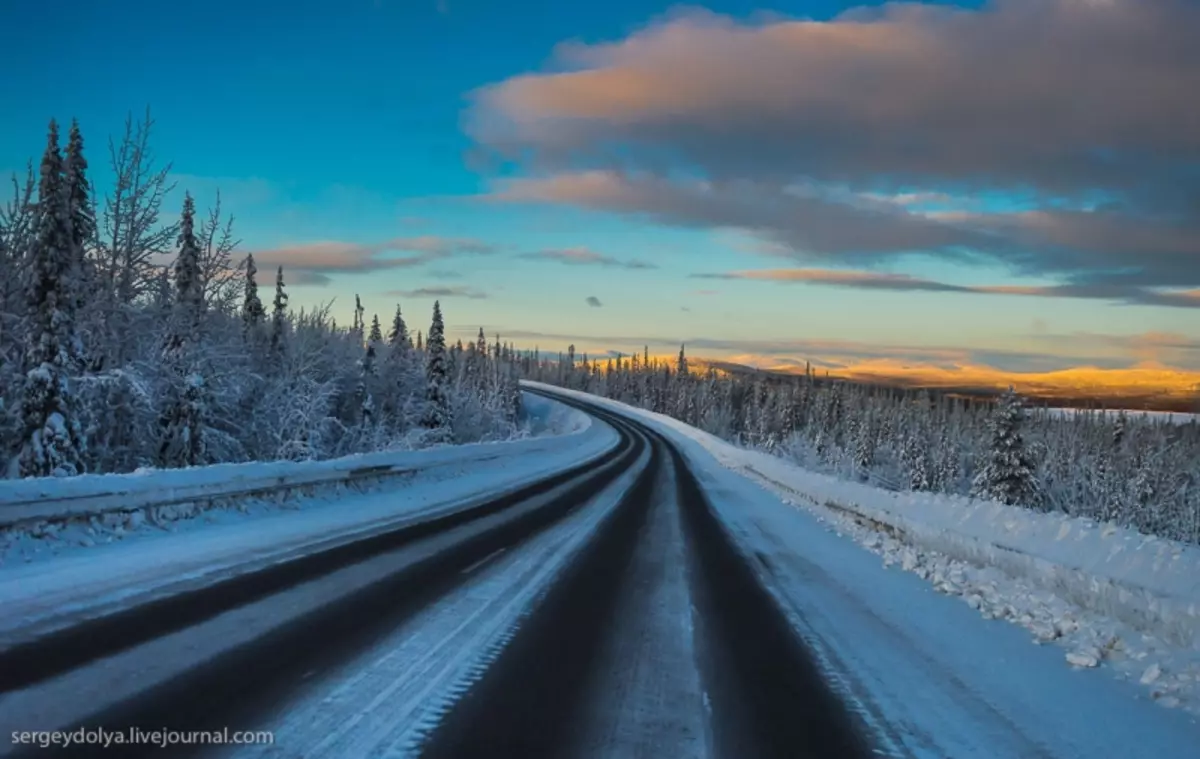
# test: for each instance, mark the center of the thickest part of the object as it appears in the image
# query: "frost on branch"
(119, 350)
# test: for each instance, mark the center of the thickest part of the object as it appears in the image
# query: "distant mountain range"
(1147, 389)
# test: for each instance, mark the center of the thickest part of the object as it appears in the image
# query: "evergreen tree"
(376, 335)
(279, 318)
(360, 327)
(253, 312)
(83, 228)
(398, 338)
(183, 442)
(188, 306)
(1007, 474)
(184, 415)
(438, 415)
(53, 442)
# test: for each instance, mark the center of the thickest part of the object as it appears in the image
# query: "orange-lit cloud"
(1018, 90)
(1086, 110)
(312, 263)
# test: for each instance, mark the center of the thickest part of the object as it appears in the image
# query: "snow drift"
(1149, 583)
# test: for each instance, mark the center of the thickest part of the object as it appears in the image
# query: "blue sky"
(352, 123)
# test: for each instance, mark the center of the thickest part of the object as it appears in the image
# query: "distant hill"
(1112, 396)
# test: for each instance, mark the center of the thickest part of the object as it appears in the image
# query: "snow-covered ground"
(1099, 596)
(42, 517)
(1174, 417)
(388, 699)
(94, 569)
(400, 686)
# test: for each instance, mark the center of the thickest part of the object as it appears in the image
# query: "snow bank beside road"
(1106, 593)
(41, 513)
(50, 498)
(131, 566)
(547, 417)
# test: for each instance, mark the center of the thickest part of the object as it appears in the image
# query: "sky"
(984, 189)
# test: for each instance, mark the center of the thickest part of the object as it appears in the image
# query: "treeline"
(129, 341)
(1134, 470)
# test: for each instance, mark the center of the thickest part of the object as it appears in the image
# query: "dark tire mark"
(28, 663)
(525, 704)
(239, 687)
(768, 697)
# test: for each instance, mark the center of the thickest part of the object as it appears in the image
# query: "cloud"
(830, 140)
(1162, 348)
(809, 226)
(586, 257)
(593, 301)
(863, 280)
(872, 280)
(312, 263)
(1061, 93)
(440, 292)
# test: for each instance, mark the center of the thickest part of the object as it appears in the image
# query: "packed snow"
(1104, 596)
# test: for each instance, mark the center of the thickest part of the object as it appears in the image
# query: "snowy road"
(645, 605)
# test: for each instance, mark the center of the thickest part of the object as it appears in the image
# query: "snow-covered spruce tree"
(279, 320)
(183, 417)
(438, 418)
(183, 335)
(83, 231)
(398, 338)
(1007, 473)
(253, 312)
(400, 375)
(376, 336)
(363, 392)
(52, 443)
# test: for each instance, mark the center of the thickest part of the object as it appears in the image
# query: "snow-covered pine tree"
(376, 335)
(438, 417)
(52, 443)
(279, 319)
(83, 230)
(183, 334)
(1007, 473)
(253, 312)
(185, 409)
(360, 326)
(183, 442)
(398, 338)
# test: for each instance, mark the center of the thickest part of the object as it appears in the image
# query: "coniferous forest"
(1138, 471)
(133, 335)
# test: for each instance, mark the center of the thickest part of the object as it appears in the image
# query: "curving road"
(602, 612)
(607, 611)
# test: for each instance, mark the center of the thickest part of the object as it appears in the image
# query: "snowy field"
(95, 567)
(1174, 417)
(1102, 596)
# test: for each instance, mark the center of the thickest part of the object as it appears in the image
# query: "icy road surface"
(655, 604)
